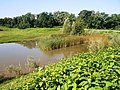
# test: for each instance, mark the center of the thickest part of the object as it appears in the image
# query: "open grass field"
(16, 35)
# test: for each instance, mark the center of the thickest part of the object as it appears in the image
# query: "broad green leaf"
(108, 84)
(58, 88)
(74, 86)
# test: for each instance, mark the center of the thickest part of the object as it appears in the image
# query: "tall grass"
(59, 41)
(94, 41)
(114, 40)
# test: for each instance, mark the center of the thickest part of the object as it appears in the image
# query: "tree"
(79, 27)
(45, 19)
(1, 22)
(30, 18)
(60, 17)
(24, 25)
(51, 21)
(91, 19)
(8, 22)
(86, 16)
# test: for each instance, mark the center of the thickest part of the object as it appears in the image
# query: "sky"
(13, 8)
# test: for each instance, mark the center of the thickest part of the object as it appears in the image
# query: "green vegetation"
(69, 37)
(42, 20)
(87, 71)
(15, 35)
(60, 41)
(67, 27)
(97, 70)
(91, 19)
(73, 28)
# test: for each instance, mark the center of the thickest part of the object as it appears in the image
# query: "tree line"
(89, 19)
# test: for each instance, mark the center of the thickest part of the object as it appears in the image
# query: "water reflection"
(29, 44)
(17, 53)
(67, 52)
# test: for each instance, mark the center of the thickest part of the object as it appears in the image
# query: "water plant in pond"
(13, 70)
(32, 64)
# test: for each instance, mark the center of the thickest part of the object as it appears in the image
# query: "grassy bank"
(62, 41)
(100, 38)
(88, 71)
(16, 35)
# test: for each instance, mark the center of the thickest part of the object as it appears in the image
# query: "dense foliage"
(57, 41)
(41, 20)
(73, 28)
(91, 19)
(87, 71)
(99, 20)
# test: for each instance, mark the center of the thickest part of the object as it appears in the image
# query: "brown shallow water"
(17, 53)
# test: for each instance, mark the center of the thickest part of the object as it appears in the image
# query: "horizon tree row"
(41, 20)
(91, 19)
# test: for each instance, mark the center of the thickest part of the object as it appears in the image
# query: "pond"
(17, 53)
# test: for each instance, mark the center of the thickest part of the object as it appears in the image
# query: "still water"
(17, 53)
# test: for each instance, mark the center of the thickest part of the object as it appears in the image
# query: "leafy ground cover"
(87, 71)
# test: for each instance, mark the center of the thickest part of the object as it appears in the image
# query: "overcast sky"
(12, 8)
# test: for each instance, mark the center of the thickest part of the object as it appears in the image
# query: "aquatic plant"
(31, 63)
(14, 70)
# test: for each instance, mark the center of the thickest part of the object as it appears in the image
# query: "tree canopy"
(91, 19)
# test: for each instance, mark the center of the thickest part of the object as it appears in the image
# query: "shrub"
(67, 26)
(79, 27)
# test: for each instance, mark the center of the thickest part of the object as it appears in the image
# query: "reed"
(59, 41)
(114, 40)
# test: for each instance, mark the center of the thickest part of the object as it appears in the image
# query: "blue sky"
(12, 8)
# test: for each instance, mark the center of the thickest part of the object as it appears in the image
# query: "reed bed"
(57, 41)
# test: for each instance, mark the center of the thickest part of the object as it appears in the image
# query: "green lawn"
(15, 35)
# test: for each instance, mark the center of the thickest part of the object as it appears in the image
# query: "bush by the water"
(57, 41)
(87, 71)
(73, 28)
